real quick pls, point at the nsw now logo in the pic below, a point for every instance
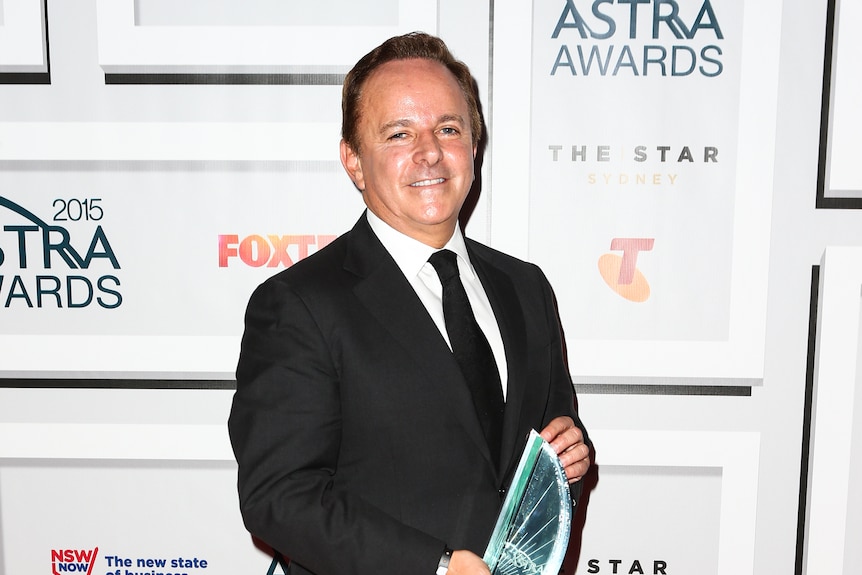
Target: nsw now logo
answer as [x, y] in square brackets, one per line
[73, 560]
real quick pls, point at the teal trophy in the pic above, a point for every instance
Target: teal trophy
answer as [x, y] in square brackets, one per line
[532, 531]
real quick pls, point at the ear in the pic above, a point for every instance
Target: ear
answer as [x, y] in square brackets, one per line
[352, 165]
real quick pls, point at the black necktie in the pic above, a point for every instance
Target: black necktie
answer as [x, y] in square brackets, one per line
[471, 350]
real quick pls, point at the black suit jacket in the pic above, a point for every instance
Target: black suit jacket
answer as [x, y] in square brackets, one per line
[359, 450]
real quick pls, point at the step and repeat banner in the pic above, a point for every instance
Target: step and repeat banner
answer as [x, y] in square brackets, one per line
[647, 166]
[177, 157]
[834, 505]
[839, 181]
[158, 160]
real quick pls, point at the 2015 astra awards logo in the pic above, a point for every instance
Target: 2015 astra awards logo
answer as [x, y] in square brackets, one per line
[58, 264]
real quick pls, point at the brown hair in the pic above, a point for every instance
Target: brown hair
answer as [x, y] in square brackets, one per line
[412, 45]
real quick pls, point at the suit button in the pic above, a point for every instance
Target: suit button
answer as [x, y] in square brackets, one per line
[502, 491]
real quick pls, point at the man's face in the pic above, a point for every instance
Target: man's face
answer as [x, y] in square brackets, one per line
[415, 166]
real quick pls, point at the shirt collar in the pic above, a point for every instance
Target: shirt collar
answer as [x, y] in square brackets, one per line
[410, 254]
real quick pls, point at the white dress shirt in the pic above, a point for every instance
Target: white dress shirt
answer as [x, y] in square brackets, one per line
[412, 258]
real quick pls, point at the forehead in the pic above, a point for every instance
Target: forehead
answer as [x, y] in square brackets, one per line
[414, 84]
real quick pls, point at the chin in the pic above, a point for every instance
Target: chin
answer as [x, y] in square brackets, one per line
[435, 213]
[436, 219]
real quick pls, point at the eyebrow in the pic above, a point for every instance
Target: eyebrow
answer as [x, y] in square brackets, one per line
[402, 123]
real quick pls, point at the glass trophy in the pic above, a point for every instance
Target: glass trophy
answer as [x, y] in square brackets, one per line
[532, 531]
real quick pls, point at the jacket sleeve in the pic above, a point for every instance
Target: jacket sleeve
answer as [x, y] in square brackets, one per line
[562, 400]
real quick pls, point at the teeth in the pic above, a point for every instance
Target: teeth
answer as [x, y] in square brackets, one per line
[427, 182]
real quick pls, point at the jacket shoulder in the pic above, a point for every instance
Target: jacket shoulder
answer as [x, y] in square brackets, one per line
[501, 260]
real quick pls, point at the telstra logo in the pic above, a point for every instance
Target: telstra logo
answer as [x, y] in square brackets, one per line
[621, 272]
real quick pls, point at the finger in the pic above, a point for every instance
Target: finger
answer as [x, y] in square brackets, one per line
[567, 440]
[576, 471]
[557, 426]
[576, 461]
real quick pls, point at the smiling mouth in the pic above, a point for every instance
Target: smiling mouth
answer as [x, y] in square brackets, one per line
[424, 183]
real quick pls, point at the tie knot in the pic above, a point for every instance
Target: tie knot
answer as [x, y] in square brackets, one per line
[445, 263]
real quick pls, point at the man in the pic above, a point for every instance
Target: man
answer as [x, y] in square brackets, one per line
[359, 444]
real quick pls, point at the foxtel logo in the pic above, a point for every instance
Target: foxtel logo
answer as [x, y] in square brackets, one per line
[621, 272]
[271, 251]
[73, 560]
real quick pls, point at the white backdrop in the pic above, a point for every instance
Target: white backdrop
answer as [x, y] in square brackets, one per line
[659, 160]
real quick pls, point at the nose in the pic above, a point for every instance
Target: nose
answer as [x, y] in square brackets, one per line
[428, 149]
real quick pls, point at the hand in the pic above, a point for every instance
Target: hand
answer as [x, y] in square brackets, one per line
[567, 439]
[465, 562]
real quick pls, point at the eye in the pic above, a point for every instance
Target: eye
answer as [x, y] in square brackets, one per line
[450, 131]
[398, 136]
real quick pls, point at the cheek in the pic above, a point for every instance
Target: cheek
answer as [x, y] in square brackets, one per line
[387, 170]
[463, 156]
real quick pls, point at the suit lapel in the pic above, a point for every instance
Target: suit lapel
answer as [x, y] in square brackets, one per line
[388, 296]
[510, 319]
